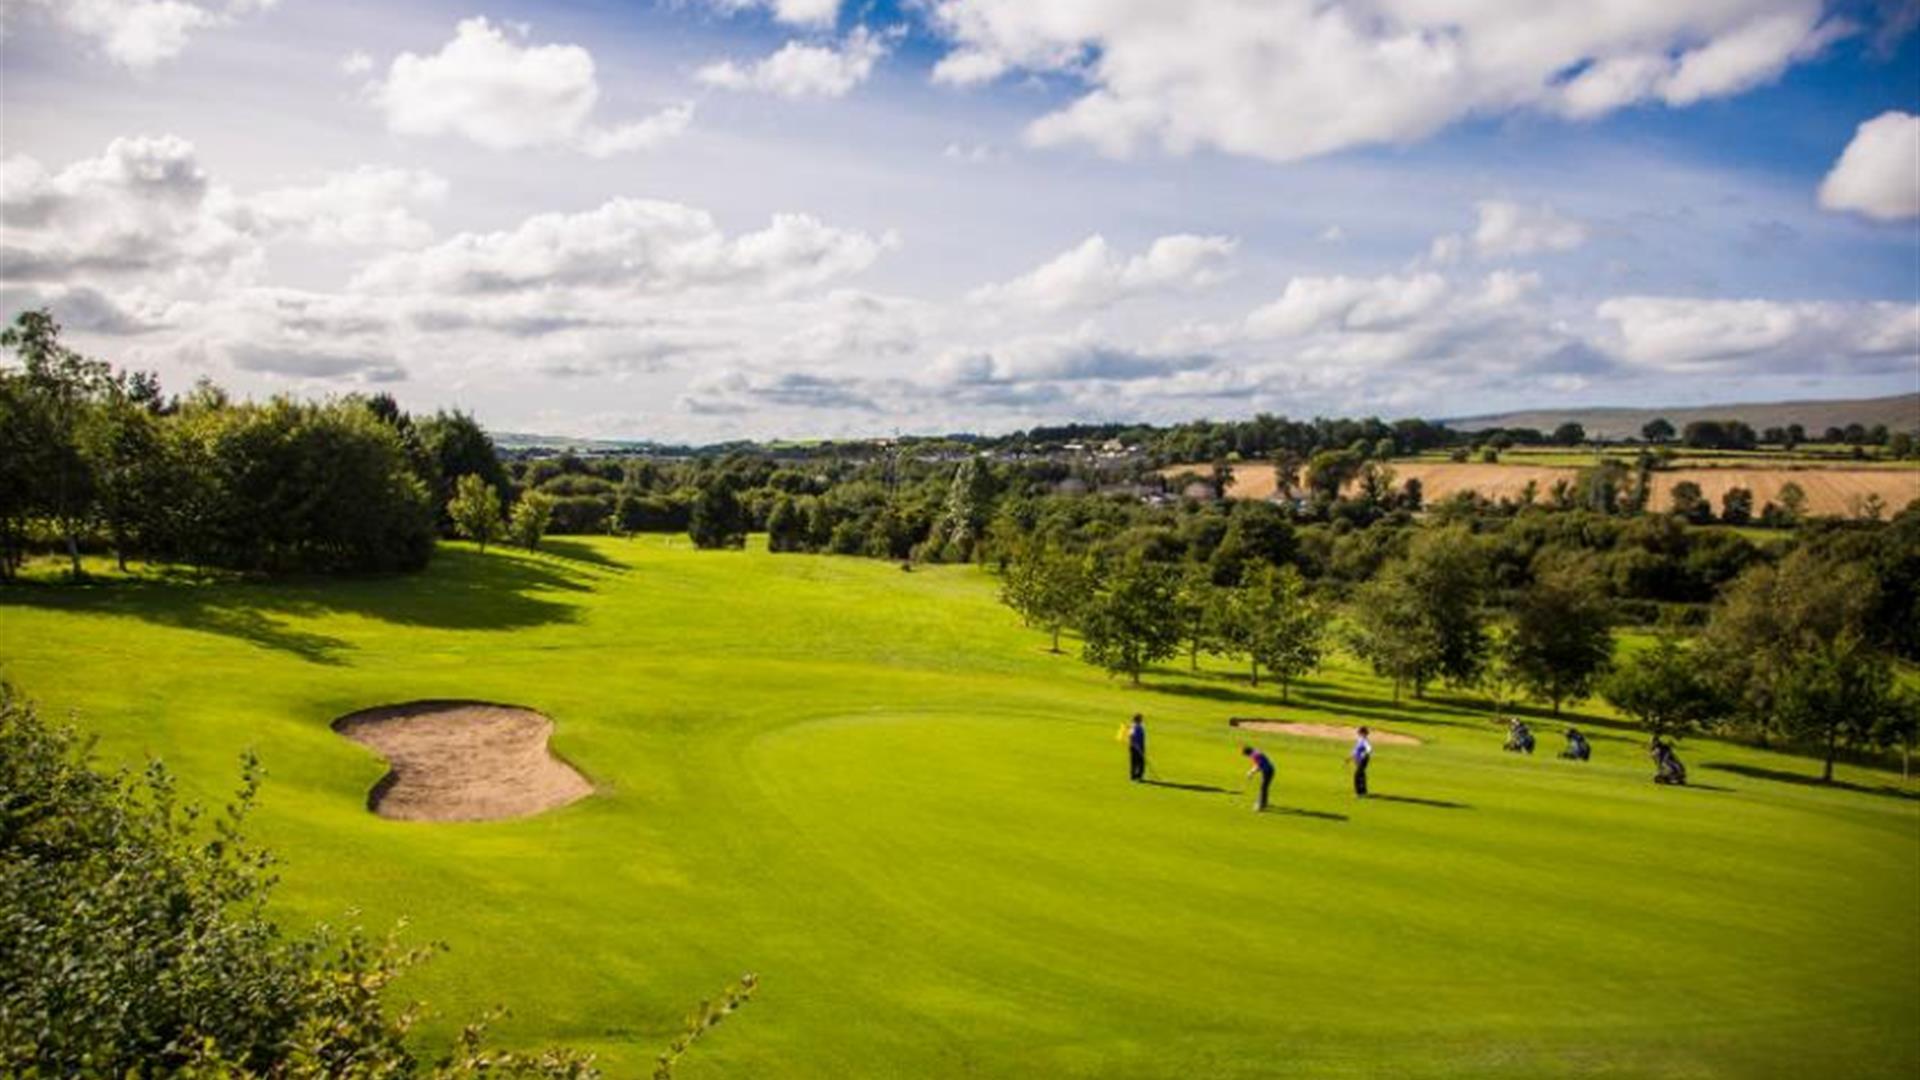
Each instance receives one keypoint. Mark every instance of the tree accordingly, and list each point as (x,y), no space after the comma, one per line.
(1793,502)
(1569,434)
(458,446)
(531,515)
(1048,588)
(1840,694)
(1562,637)
(1386,629)
(1329,471)
(475,510)
(1278,625)
(1686,501)
(717,519)
(969,504)
(786,525)
(1126,624)
(1771,616)
(1736,506)
(1202,608)
(1664,690)
(1657,430)
(121,441)
(1446,569)
(55,390)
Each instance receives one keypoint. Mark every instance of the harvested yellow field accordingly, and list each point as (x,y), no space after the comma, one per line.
(1830,491)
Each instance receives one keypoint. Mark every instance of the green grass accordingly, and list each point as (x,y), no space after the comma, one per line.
(883,795)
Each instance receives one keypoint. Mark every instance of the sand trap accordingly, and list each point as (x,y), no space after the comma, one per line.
(1324,731)
(463,761)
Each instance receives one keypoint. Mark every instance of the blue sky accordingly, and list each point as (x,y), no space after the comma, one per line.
(719,218)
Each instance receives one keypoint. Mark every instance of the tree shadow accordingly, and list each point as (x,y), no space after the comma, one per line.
(574,551)
(1295,811)
(1212,693)
(1414,800)
(464,590)
(1188,787)
(1756,772)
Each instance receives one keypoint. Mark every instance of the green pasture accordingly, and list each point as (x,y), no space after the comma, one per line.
(883,795)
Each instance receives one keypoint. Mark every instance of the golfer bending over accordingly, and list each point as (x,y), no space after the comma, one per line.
(1362,754)
(1137,748)
(1263,765)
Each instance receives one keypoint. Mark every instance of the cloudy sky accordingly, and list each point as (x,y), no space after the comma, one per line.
(707,219)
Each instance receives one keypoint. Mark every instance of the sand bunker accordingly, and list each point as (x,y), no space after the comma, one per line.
(1324,731)
(463,761)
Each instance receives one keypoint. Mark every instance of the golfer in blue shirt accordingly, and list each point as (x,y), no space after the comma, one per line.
(1137,748)
(1263,765)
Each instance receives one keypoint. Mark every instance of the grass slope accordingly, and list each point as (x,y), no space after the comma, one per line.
(880,792)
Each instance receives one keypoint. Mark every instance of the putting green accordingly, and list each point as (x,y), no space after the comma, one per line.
(880,793)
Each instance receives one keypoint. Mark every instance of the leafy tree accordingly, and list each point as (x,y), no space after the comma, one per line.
(1446,570)
(1664,689)
(1686,501)
(1257,533)
(1202,608)
(475,510)
(121,441)
(717,520)
(530,518)
(1657,430)
(786,526)
(1736,506)
(1126,624)
(1279,625)
(1048,587)
(1840,694)
(458,446)
(1793,502)
(1569,434)
(1329,471)
(1562,639)
(1770,617)
(1387,629)
(54,391)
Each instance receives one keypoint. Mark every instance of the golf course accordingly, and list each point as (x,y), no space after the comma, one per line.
(885,797)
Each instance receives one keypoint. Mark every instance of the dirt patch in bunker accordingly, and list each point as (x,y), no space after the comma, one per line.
(463,761)
(1323,731)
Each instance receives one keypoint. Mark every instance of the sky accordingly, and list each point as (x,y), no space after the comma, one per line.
(700,220)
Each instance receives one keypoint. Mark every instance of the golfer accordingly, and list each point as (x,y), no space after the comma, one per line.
(1263,765)
(1362,754)
(1137,749)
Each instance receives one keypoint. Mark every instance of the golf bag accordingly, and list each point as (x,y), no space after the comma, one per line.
(1577,747)
(1520,739)
(1668,770)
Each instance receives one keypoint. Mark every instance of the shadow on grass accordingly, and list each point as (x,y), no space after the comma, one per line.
(1188,787)
(463,590)
(574,551)
(1414,800)
(1755,772)
(1295,811)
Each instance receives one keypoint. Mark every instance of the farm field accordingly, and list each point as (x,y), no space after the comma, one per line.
(1830,490)
(883,795)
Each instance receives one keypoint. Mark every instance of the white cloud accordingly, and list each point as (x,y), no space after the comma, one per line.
(138,34)
(487,87)
(1093,273)
(356,63)
(793,12)
(1510,229)
(1676,334)
(1288,79)
(368,205)
(628,246)
(802,70)
(1310,304)
(1878,174)
(969,153)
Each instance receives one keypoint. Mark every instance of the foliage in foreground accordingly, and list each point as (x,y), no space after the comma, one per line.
(134,942)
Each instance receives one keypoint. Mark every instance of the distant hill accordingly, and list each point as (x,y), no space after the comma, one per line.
(1900,413)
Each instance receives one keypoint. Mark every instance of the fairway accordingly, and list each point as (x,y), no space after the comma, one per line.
(880,793)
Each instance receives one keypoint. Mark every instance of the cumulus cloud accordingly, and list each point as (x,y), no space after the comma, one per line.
(800,70)
(370,205)
(1094,274)
(730,393)
(138,34)
(1288,79)
(484,85)
(632,246)
(1878,174)
(316,364)
(1677,334)
(1509,229)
